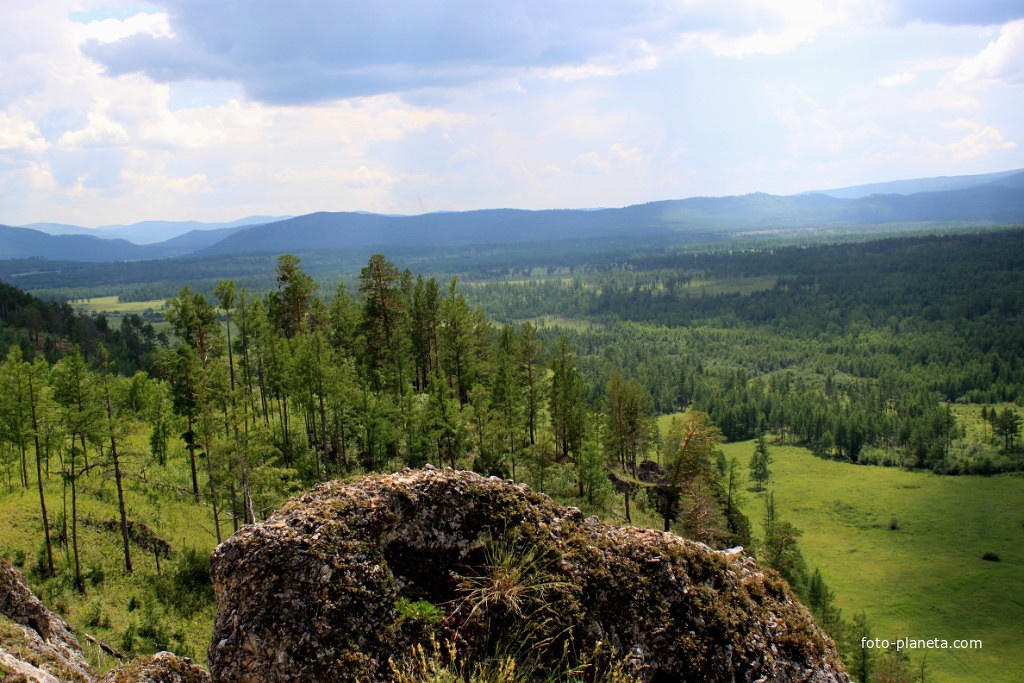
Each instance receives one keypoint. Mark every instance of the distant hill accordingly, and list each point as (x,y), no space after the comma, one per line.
(990,199)
(149,232)
(905,187)
(196,240)
(700,218)
(16,243)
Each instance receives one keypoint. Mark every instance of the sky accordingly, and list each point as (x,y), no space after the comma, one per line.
(113,112)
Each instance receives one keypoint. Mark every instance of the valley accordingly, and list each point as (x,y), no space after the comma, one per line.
(881,369)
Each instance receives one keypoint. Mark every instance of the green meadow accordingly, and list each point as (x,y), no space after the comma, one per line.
(907,548)
(113,305)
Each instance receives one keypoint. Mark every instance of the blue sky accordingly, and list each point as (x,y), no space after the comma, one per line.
(116,112)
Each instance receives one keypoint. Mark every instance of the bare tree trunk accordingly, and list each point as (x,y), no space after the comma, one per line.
(192,457)
(39,477)
(213,488)
(79,584)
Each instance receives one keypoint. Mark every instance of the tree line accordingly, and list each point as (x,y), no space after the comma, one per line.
(266,394)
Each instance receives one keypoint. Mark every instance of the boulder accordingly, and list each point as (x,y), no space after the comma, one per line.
(350,579)
(35,644)
(163,667)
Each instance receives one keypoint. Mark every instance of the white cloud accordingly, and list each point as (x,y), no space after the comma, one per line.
(40,177)
(1002,60)
(19,134)
(99,131)
(154,24)
(872,127)
(897,80)
(757,43)
(978,141)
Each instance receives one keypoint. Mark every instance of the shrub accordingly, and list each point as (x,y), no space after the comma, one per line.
(94,615)
(187,589)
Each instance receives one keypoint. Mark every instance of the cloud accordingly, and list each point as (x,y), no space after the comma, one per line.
(112,30)
(617,158)
(307,51)
(957,12)
(757,43)
(1002,60)
(100,131)
(20,135)
(978,141)
(897,80)
(134,109)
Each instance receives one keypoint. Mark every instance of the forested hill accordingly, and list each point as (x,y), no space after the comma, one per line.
(986,200)
(25,243)
(688,220)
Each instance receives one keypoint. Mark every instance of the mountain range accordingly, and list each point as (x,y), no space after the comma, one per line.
(989,199)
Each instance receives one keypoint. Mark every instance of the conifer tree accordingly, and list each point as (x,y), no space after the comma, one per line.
(567,405)
(74,390)
(760,462)
(379,285)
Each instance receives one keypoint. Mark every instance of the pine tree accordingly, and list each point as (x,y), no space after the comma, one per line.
(760,462)
(567,405)
(290,304)
(379,285)
(779,549)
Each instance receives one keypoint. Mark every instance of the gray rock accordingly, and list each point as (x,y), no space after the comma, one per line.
(163,667)
(35,643)
(320,591)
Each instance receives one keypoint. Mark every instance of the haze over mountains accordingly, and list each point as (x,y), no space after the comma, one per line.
(989,199)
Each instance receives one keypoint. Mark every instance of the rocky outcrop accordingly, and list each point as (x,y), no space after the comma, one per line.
(163,667)
(35,644)
(347,577)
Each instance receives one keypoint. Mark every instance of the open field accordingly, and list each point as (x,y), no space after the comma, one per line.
(114,306)
(924,579)
(733,285)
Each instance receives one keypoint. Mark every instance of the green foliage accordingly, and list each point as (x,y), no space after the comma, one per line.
(419,611)
(760,462)
(779,547)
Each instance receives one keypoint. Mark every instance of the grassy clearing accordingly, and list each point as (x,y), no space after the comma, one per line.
(737,285)
(557,321)
(112,305)
(969,416)
(924,579)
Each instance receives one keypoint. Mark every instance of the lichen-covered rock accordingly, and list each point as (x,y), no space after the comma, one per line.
(35,644)
(321,590)
(163,667)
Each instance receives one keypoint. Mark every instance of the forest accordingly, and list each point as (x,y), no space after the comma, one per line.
(551,375)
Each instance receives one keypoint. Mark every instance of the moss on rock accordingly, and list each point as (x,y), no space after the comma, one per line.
(312,593)
(163,667)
